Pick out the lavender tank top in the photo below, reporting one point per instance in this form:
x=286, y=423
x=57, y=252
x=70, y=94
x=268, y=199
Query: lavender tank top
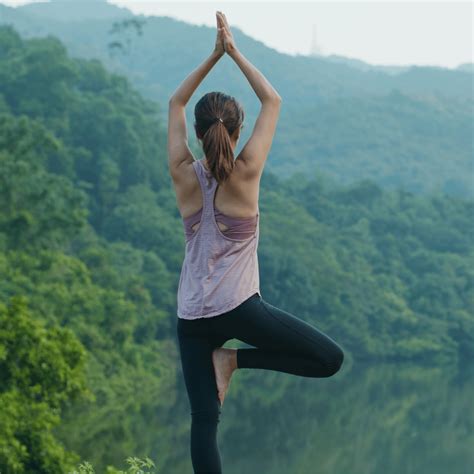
x=220, y=268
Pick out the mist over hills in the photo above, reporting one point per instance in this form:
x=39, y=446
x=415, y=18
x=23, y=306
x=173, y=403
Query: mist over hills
x=408, y=127
x=73, y=10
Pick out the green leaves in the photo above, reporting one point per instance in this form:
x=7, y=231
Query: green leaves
x=42, y=367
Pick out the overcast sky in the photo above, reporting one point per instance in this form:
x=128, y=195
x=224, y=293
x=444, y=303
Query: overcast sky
x=382, y=32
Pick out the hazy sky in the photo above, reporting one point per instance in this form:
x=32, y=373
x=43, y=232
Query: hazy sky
x=382, y=32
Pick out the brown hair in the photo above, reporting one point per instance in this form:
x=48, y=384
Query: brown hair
x=217, y=117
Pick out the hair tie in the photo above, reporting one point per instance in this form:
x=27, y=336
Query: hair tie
x=220, y=119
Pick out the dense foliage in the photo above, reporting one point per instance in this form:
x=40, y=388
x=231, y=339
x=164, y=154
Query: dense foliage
x=91, y=245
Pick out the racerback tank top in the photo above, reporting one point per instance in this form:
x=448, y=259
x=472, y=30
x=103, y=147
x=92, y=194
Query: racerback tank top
x=219, y=272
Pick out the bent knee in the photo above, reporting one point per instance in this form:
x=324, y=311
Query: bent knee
x=334, y=364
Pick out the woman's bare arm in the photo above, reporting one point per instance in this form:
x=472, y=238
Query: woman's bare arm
x=255, y=151
x=178, y=148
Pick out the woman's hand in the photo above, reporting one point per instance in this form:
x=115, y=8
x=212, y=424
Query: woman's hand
x=219, y=48
x=227, y=38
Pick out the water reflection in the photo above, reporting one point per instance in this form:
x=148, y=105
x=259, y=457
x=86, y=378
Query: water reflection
x=369, y=419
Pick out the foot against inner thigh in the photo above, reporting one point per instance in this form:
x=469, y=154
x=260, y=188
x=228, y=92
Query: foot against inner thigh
x=225, y=362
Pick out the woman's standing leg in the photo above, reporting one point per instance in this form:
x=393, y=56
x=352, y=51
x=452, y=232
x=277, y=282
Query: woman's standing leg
x=282, y=341
x=196, y=346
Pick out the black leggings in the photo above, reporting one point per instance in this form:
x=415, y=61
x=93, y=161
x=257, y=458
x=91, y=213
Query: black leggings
x=282, y=342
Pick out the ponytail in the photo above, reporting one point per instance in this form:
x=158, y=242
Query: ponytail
x=218, y=116
x=217, y=147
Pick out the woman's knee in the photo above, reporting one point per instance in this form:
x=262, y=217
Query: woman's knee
x=334, y=361
x=326, y=363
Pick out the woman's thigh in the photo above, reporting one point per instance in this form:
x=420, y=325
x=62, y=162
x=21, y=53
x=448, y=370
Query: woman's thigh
x=263, y=325
x=196, y=345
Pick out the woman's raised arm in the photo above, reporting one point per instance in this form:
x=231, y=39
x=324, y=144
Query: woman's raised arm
x=178, y=148
x=254, y=153
x=257, y=80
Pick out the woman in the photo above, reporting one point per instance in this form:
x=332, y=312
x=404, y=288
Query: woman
x=219, y=289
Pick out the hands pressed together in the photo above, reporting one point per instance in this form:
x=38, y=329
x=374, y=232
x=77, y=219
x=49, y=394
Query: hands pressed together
x=225, y=41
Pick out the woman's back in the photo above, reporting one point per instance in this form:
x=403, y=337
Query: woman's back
x=235, y=203
x=218, y=272
x=236, y=198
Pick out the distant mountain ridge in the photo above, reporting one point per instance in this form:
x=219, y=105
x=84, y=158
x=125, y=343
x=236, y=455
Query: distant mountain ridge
x=74, y=10
x=407, y=126
x=389, y=69
x=468, y=67
x=363, y=66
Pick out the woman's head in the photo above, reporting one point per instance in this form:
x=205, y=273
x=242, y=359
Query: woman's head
x=218, y=122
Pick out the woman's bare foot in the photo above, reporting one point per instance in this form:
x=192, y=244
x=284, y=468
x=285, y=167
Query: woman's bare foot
x=225, y=362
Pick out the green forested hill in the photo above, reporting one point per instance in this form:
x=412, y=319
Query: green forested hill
x=91, y=245
x=410, y=128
